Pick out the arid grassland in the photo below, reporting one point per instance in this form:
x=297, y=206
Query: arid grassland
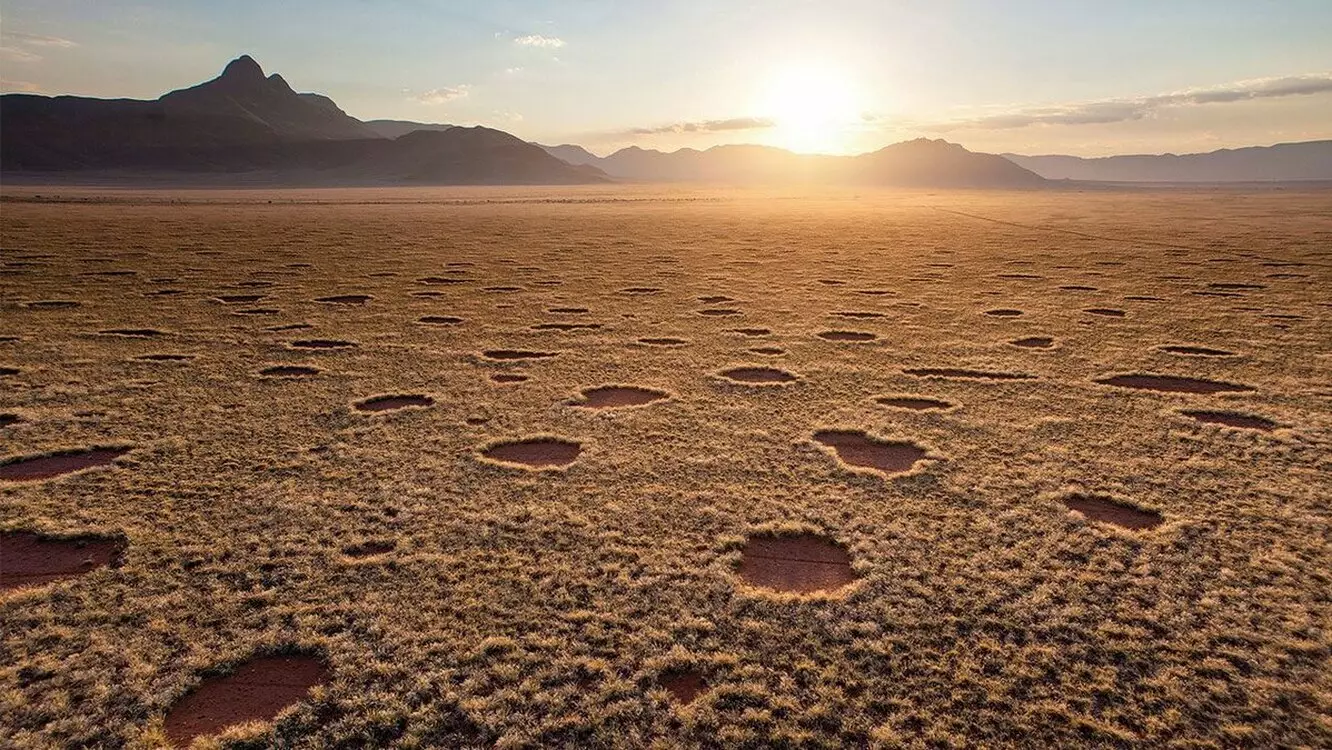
x=1044, y=469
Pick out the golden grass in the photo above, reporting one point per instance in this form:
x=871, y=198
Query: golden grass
x=524, y=608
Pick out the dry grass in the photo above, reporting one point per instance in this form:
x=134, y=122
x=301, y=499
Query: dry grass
x=523, y=608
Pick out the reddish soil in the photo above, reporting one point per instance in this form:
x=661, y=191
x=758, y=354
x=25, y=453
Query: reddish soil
x=537, y=452
x=32, y=560
x=953, y=372
x=1105, y=312
x=53, y=465
x=440, y=320
x=1198, y=351
x=803, y=564
x=1173, y=384
x=257, y=690
x=663, y=342
x=507, y=377
x=512, y=354
x=758, y=375
x=615, y=396
x=1034, y=342
x=346, y=299
x=852, y=336
x=289, y=371
x=389, y=403
x=915, y=403
x=1004, y=313
x=1231, y=419
x=1110, y=511
x=858, y=449
x=684, y=685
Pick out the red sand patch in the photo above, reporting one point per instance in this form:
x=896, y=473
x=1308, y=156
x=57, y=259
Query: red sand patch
x=566, y=326
x=684, y=685
x=1173, y=384
x=137, y=333
x=440, y=320
x=257, y=690
x=1034, y=342
x=322, y=344
x=1078, y=288
x=439, y=280
x=663, y=342
x=1004, y=313
x=1105, y=312
x=802, y=564
x=715, y=299
x=538, y=453
x=56, y=464
x=750, y=331
x=914, y=403
x=616, y=396
x=859, y=449
x=1232, y=419
x=369, y=549
x=346, y=299
x=1111, y=511
x=289, y=371
x=847, y=336
x=758, y=375
x=953, y=372
x=32, y=560
x=515, y=354
x=389, y=403
x=1197, y=351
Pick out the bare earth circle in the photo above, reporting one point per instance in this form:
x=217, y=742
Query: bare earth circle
x=509, y=354
x=440, y=320
x=915, y=403
x=1004, y=313
x=1110, y=511
x=346, y=299
x=1231, y=419
x=1197, y=351
x=759, y=375
x=53, y=465
x=536, y=452
x=858, y=449
x=684, y=685
x=663, y=342
x=1034, y=342
x=322, y=344
x=1172, y=384
x=802, y=564
x=854, y=336
x=288, y=371
x=256, y=691
x=615, y=396
x=31, y=560
x=1105, y=312
x=953, y=372
x=509, y=377
x=388, y=403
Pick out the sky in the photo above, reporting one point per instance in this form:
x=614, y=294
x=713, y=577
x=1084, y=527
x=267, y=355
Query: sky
x=1079, y=77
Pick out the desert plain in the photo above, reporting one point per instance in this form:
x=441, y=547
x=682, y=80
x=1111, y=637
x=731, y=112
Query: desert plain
x=646, y=467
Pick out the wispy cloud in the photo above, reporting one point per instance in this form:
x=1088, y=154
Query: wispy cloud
x=37, y=40
x=705, y=126
x=1124, y=110
x=442, y=95
x=21, y=87
x=537, y=40
x=19, y=55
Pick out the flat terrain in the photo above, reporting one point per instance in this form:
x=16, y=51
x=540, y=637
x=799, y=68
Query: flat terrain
x=984, y=439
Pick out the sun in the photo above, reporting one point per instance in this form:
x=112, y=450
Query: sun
x=813, y=107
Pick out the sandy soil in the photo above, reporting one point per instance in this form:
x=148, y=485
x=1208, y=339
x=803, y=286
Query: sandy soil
x=457, y=599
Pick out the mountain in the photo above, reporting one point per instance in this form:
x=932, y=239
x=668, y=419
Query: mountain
x=255, y=128
x=1310, y=160
x=396, y=128
x=918, y=163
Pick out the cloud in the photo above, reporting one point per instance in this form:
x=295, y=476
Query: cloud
x=1126, y=110
x=537, y=40
x=14, y=54
x=442, y=95
x=21, y=87
x=37, y=40
x=706, y=126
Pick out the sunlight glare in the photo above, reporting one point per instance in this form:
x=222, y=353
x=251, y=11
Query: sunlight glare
x=812, y=105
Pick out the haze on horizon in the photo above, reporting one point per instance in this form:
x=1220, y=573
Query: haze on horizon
x=1034, y=77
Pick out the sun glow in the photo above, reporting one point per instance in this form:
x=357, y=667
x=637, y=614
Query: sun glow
x=813, y=108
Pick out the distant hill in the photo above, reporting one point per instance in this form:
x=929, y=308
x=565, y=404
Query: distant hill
x=396, y=128
x=1310, y=160
x=257, y=129
x=918, y=163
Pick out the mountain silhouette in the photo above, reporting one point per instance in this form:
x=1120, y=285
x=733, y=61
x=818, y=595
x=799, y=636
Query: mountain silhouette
x=1283, y=162
x=918, y=163
x=249, y=126
x=397, y=128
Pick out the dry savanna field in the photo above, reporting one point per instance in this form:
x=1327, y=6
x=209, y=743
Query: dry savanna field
x=668, y=468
